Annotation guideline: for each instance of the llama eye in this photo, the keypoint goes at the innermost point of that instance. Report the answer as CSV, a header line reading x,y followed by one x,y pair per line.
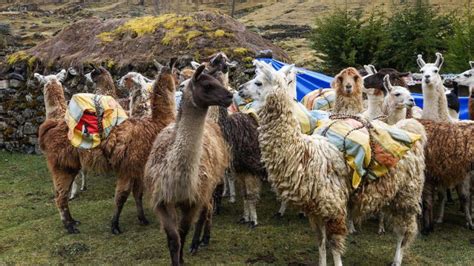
x,y
435,71
397,94
467,75
258,83
422,71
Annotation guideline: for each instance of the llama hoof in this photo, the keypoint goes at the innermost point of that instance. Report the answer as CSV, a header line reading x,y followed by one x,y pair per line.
x,y
278,215
426,231
381,231
232,199
301,215
71,229
194,248
83,188
242,221
470,226
72,197
252,225
439,221
143,221
205,242
116,230
76,222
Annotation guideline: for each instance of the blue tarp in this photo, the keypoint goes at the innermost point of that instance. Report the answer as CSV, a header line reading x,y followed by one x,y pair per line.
x,y
308,81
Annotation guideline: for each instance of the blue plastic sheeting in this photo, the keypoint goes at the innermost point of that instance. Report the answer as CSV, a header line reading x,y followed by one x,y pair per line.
x,y
308,81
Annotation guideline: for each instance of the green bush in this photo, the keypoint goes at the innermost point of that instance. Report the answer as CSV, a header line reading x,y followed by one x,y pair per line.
x,y
346,39
461,44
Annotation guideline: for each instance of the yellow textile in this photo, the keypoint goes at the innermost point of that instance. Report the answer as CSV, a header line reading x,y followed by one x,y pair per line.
x,y
81,118
389,143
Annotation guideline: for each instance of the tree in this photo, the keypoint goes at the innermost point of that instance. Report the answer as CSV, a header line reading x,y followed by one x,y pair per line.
x,y
414,30
461,44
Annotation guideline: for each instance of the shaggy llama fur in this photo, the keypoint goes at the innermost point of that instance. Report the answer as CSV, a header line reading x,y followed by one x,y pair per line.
x,y
348,86
311,173
187,162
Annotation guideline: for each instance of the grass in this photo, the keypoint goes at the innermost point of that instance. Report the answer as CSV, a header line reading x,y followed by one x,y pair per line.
x,y
31,231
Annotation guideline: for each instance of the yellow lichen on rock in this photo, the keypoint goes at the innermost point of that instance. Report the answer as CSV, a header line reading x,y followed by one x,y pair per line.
x,y
17,57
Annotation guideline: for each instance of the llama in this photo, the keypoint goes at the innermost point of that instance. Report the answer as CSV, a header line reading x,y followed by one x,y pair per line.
x,y
313,174
467,79
348,86
128,145
139,88
54,101
435,102
396,102
61,157
457,172
187,162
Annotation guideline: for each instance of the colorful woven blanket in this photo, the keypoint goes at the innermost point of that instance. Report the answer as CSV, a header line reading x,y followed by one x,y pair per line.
x,y
308,120
371,155
321,99
91,117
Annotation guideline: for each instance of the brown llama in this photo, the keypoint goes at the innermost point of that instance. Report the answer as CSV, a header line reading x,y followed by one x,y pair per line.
x,y
348,86
129,144
187,162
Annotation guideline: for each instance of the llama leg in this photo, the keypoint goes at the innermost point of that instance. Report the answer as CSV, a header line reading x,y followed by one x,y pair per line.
x,y
167,217
281,211
449,197
187,219
74,188
206,238
217,196
83,176
231,178
62,181
246,217
197,232
442,203
405,228
226,184
381,223
320,229
138,195
122,190
427,202
465,199
336,232
252,187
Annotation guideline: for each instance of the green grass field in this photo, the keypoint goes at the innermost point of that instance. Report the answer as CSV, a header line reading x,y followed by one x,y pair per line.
x,y
31,231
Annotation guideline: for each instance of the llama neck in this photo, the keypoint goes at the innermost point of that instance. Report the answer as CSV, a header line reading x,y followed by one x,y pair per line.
x,y
163,105
54,101
187,148
375,106
105,86
435,105
214,113
348,105
394,113
276,119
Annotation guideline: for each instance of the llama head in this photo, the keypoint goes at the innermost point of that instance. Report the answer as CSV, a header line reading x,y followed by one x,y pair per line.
x,y
398,96
452,96
52,78
430,71
266,79
207,90
466,78
132,81
348,83
375,80
290,72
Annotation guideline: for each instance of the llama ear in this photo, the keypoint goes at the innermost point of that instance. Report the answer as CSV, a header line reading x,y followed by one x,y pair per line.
x,y
419,60
40,78
264,68
471,63
157,65
198,72
286,70
386,83
439,60
374,70
403,74
172,62
61,76
195,65
368,69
